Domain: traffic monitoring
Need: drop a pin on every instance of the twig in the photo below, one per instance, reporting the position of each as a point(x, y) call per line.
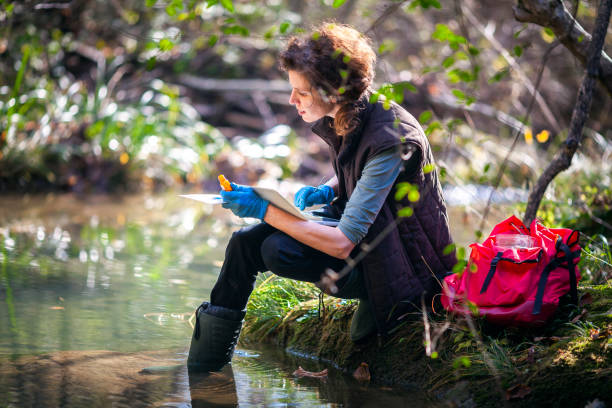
point(550, 117)
point(48, 6)
point(553, 14)
point(480, 108)
point(234, 85)
point(264, 109)
point(390, 10)
point(502, 168)
point(563, 158)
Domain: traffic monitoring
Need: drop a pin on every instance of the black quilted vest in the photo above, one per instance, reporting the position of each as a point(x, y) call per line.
point(409, 261)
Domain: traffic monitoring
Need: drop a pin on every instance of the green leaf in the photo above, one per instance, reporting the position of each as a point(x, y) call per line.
point(448, 62)
point(402, 190)
point(212, 40)
point(486, 167)
point(499, 75)
point(387, 45)
point(165, 45)
point(374, 97)
point(459, 94)
point(442, 33)
point(473, 50)
point(228, 5)
point(461, 252)
point(174, 7)
point(150, 3)
point(449, 249)
point(433, 126)
point(462, 361)
point(425, 117)
point(518, 50)
point(459, 266)
point(284, 27)
point(460, 55)
point(428, 168)
point(414, 196)
point(425, 4)
point(151, 63)
point(270, 33)
point(405, 212)
point(338, 3)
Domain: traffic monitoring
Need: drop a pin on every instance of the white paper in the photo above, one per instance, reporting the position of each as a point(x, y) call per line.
point(204, 198)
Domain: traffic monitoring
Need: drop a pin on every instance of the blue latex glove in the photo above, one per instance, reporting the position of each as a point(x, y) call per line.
point(309, 196)
point(244, 202)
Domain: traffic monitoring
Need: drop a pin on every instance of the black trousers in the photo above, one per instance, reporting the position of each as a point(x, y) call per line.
point(260, 248)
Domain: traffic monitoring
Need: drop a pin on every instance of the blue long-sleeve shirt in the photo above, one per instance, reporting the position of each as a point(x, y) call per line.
point(370, 193)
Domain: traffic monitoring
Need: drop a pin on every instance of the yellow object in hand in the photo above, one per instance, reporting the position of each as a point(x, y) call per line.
point(225, 184)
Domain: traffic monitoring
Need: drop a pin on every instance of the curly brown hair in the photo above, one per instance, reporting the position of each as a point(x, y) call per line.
point(339, 62)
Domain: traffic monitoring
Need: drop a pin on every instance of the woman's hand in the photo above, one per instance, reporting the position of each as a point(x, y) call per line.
point(309, 196)
point(244, 202)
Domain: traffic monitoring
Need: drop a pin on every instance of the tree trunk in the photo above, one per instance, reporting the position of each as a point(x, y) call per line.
point(563, 158)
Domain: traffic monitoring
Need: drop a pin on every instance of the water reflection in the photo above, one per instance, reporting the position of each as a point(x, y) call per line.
point(88, 287)
point(99, 268)
point(161, 379)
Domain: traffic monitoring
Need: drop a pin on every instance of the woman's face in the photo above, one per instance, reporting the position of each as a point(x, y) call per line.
point(308, 102)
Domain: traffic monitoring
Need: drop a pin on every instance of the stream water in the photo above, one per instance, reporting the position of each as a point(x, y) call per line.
point(97, 293)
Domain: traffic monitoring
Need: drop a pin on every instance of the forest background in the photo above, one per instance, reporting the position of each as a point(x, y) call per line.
point(131, 96)
point(122, 96)
point(146, 96)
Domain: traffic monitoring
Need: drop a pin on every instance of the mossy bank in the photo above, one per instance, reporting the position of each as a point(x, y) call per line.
point(566, 364)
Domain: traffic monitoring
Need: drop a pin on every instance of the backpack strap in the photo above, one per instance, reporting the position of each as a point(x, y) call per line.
point(537, 305)
point(571, 267)
point(487, 280)
point(568, 256)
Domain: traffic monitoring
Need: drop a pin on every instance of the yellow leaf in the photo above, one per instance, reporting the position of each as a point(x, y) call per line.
point(528, 136)
point(543, 136)
point(124, 158)
point(547, 35)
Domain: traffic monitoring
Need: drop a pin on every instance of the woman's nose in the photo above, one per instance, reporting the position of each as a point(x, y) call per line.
point(292, 98)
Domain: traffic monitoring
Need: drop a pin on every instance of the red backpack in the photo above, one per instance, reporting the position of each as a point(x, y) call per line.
point(517, 275)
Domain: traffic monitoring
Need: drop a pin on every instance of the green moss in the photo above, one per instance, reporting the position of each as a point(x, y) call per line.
point(564, 364)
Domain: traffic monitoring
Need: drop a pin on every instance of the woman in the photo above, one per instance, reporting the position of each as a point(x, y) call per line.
point(372, 150)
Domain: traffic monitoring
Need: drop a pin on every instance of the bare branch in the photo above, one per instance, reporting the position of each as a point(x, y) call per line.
point(563, 158)
point(550, 117)
point(554, 14)
point(502, 167)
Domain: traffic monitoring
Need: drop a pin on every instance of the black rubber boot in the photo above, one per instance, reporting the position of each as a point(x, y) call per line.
point(214, 337)
point(363, 323)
